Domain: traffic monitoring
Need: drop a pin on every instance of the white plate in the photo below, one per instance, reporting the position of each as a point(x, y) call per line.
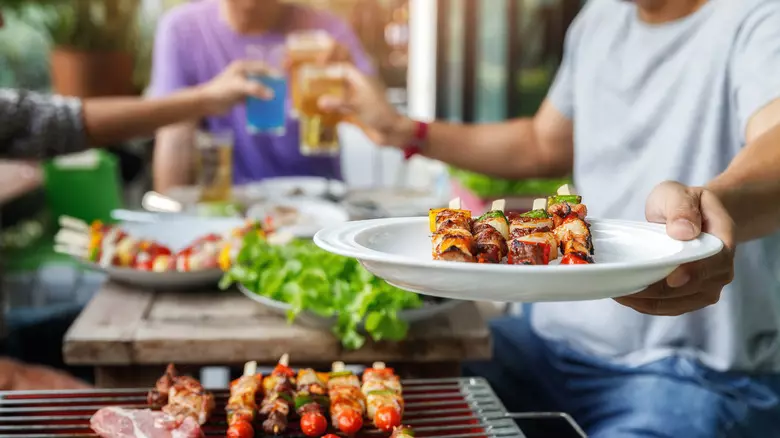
point(292, 186)
point(313, 320)
point(176, 235)
point(629, 257)
point(313, 214)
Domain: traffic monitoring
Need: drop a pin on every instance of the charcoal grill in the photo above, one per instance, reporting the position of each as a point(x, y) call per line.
point(440, 408)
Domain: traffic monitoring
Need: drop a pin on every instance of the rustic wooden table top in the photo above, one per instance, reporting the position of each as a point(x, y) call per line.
point(123, 326)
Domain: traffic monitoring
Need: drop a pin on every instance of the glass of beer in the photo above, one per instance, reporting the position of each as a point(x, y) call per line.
point(214, 165)
point(302, 48)
point(319, 133)
point(268, 116)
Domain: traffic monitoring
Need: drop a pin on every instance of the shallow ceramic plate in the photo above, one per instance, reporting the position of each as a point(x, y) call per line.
point(291, 186)
point(175, 234)
point(313, 214)
point(629, 257)
point(311, 319)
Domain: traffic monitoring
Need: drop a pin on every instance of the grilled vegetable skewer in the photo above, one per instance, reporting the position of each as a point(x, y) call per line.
point(241, 405)
point(402, 432)
point(491, 231)
point(571, 230)
point(347, 404)
point(384, 403)
point(311, 401)
point(531, 240)
point(278, 400)
point(452, 239)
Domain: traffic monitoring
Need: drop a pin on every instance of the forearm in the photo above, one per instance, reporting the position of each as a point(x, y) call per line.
point(507, 150)
point(112, 119)
point(750, 187)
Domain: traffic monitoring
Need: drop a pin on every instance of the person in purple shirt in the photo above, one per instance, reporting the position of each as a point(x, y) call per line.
point(195, 41)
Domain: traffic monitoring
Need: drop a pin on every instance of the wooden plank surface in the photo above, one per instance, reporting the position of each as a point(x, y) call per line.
point(123, 327)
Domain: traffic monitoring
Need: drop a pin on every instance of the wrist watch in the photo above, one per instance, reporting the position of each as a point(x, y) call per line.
point(420, 135)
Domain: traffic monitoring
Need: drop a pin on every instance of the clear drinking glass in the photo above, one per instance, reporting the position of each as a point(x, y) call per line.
point(214, 165)
point(268, 116)
point(319, 129)
point(302, 48)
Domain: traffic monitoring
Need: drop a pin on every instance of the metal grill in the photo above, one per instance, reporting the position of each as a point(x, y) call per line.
point(440, 408)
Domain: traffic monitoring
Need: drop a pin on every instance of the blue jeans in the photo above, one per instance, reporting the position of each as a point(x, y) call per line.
point(674, 397)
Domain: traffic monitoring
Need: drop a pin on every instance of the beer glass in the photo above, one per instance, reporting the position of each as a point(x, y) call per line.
point(268, 116)
point(302, 48)
point(214, 165)
point(319, 133)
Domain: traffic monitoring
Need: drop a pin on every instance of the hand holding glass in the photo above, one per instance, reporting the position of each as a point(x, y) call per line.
point(303, 48)
point(319, 133)
point(268, 116)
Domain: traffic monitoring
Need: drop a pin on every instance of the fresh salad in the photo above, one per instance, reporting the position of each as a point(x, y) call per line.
point(485, 186)
point(309, 278)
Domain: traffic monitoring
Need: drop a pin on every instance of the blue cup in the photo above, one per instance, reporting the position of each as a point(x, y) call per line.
point(268, 116)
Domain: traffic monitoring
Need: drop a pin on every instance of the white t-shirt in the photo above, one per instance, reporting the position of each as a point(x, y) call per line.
point(669, 102)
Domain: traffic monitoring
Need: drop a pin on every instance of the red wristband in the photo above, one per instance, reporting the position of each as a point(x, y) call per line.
point(420, 135)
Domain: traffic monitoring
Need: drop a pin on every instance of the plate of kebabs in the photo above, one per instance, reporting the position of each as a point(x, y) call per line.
point(307, 402)
point(166, 254)
point(554, 252)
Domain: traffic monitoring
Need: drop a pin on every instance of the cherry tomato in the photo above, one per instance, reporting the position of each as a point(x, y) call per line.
point(241, 429)
point(386, 418)
point(313, 424)
point(350, 422)
point(573, 259)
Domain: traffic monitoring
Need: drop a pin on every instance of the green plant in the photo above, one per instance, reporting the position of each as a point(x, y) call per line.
point(91, 25)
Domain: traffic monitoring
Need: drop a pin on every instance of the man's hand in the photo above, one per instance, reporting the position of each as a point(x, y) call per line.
point(366, 106)
point(687, 212)
point(233, 85)
point(18, 376)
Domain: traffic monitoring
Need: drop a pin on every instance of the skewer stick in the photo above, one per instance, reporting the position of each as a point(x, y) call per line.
point(455, 204)
point(540, 204)
point(378, 365)
point(70, 250)
point(566, 190)
point(498, 204)
point(250, 368)
point(73, 224)
point(72, 238)
point(284, 360)
point(338, 366)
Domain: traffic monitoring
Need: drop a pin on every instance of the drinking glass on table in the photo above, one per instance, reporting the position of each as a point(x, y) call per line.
point(268, 116)
point(214, 165)
point(302, 48)
point(319, 129)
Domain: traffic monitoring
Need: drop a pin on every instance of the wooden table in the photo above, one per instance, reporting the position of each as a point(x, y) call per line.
point(129, 335)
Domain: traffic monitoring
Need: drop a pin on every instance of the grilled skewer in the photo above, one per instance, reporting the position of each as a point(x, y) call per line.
point(241, 405)
point(571, 229)
point(384, 402)
point(347, 404)
point(188, 398)
point(279, 396)
point(402, 432)
point(311, 401)
point(452, 239)
point(491, 231)
point(531, 240)
point(158, 397)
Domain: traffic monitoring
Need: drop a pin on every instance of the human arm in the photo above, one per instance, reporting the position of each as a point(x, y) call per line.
point(173, 156)
point(536, 147)
point(37, 126)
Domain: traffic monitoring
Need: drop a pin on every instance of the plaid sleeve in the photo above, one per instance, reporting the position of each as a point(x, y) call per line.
point(38, 126)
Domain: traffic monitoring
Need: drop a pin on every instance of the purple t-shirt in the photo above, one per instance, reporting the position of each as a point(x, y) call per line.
point(193, 45)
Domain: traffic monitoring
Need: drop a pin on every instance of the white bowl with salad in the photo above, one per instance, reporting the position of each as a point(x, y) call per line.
point(322, 290)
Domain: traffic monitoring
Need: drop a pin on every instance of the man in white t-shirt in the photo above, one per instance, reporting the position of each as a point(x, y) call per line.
point(648, 91)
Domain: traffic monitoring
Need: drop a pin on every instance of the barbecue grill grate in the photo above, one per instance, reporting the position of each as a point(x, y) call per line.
point(436, 408)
